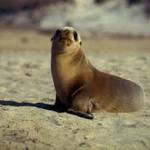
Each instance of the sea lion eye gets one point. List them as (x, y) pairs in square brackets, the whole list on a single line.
[(75, 35), (57, 32)]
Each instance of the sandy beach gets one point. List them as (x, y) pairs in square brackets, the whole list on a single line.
[(27, 120)]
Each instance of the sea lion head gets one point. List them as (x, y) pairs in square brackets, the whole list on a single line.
[(66, 39)]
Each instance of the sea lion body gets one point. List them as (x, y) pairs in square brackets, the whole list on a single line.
[(82, 89)]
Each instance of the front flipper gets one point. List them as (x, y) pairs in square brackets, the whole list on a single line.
[(59, 106), (80, 113), (81, 104)]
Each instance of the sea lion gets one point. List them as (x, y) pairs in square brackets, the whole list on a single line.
[(80, 88)]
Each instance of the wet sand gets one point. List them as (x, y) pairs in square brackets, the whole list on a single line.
[(27, 94)]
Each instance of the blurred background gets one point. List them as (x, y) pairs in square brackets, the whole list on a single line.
[(92, 17), (116, 39)]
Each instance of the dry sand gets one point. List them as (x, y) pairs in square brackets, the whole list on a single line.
[(27, 121)]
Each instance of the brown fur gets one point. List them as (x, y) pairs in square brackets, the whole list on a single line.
[(80, 88)]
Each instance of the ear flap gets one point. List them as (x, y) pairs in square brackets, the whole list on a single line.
[(52, 38)]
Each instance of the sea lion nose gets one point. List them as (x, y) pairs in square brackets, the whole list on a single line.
[(65, 33)]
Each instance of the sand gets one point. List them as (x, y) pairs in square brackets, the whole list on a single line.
[(27, 121)]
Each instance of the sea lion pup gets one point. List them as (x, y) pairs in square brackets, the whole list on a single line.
[(80, 88)]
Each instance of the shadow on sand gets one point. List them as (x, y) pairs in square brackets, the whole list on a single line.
[(27, 104), (43, 106)]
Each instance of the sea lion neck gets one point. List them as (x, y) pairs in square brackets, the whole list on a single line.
[(69, 58), (66, 52)]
